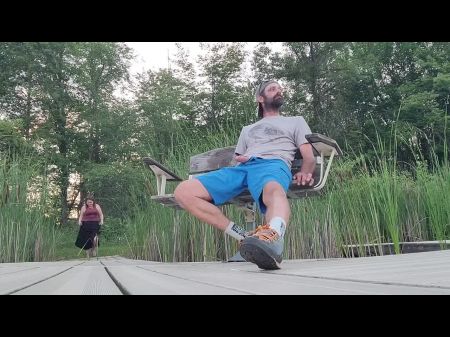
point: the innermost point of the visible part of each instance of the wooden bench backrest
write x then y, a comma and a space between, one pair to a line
224, 157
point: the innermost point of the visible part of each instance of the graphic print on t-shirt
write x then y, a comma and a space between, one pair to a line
264, 133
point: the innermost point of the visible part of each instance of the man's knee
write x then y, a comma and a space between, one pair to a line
182, 192
187, 191
273, 190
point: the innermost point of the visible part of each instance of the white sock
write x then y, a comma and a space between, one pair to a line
235, 231
278, 225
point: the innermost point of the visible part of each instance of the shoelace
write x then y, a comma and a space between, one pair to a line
266, 233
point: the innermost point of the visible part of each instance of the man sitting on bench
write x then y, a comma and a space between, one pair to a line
265, 151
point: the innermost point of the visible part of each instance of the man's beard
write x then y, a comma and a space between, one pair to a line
275, 103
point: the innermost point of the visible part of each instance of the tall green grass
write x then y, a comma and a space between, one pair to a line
366, 201
27, 232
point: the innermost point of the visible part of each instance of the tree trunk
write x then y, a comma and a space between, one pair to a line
313, 84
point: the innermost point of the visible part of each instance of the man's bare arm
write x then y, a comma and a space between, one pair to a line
305, 175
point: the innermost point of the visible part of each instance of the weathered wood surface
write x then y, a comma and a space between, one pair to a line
166, 200
17, 276
212, 160
323, 144
416, 273
89, 278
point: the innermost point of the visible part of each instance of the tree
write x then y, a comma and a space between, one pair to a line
19, 87
101, 67
223, 84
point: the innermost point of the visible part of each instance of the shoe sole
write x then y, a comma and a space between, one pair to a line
257, 255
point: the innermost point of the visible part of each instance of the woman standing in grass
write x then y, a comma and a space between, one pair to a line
91, 218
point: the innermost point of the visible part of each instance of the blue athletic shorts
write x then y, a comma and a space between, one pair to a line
228, 182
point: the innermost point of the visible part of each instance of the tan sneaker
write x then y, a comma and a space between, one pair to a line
264, 248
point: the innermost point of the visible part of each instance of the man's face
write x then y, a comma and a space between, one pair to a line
273, 95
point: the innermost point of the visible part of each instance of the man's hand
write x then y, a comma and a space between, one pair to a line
304, 179
241, 159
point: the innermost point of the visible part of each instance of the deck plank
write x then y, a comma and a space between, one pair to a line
415, 273
89, 278
38, 272
426, 269
139, 281
247, 278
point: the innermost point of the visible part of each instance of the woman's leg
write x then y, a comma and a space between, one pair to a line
94, 246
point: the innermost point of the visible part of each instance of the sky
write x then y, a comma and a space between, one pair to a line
154, 55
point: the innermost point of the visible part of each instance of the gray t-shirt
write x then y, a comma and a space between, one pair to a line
274, 137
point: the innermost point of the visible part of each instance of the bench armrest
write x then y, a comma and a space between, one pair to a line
162, 174
160, 170
323, 145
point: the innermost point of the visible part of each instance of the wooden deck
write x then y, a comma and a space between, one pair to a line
416, 273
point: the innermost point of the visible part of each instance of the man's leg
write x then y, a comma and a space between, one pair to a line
265, 246
274, 197
194, 198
